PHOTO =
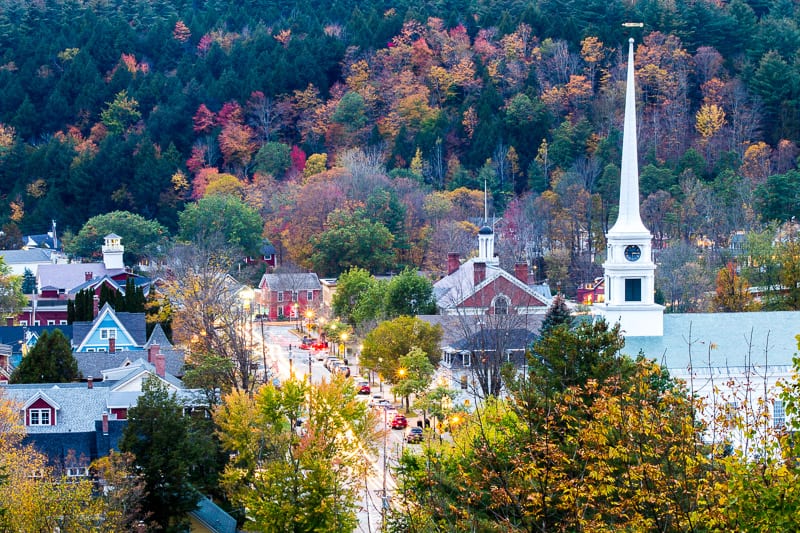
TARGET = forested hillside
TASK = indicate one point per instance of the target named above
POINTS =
(144, 106)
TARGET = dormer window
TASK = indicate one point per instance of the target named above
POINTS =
(39, 417)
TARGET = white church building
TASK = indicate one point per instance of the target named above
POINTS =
(736, 361)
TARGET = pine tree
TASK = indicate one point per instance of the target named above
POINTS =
(49, 361)
(162, 440)
(557, 314)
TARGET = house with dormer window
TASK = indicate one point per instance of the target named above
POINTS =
(110, 332)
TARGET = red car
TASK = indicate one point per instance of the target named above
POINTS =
(363, 387)
(399, 422)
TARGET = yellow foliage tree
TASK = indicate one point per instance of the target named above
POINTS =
(709, 120)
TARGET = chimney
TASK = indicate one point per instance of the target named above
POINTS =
(105, 423)
(521, 272)
(88, 276)
(479, 271)
(452, 262)
(161, 365)
(112, 345)
(95, 305)
(90, 382)
(151, 353)
(9, 321)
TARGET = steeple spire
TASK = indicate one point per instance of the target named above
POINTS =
(628, 219)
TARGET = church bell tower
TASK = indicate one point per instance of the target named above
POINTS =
(629, 268)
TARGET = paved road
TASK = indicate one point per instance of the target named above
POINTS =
(274, 346)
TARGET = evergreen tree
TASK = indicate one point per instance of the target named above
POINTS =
(28, 282)
(162, 440)
(107, 296)
(83, 306)
(49, 361)
(557, 314)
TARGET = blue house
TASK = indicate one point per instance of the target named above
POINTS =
(110, 332)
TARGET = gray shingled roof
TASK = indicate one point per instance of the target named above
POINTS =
(34, 255)
(80, 406)
(157, 336)
(134, 322)
(213, 517)
(292, 282)
(73, 274)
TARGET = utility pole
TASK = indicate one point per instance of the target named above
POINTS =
(384, 497)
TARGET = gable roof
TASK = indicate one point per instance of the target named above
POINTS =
(16, 336)
(294, 281)
(78, 406)
(452, 290)
(132, 324)
(157, 336)
(72, 274)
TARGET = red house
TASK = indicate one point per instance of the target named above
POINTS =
(480, 286)
(288, 295)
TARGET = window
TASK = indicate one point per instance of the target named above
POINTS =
(78, 471)
(633, 290)
(309, 296)
(23, 322)
(280, 296)
(501, 305)
(778, 414)
(108, 333)
(39, 417)
(294, 296)
(89, 349)
(37, 323)
(51, 322)
(63, 322)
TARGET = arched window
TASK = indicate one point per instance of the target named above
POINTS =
(501, 305)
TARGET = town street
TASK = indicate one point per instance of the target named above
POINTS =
(273, 348)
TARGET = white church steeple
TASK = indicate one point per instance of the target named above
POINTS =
(629, 268)
(113, 252)
(486, 234)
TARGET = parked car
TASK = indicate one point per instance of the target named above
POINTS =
(399, 422)
(414, 435)
(363, 387)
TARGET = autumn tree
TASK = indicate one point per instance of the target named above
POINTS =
(293, 475)
(392, 339)
(12, 299)
(414, 374)
(732, 294)
(46, 501)
(209, 316)
(121, 113)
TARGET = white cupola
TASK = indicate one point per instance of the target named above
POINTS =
(113, 252)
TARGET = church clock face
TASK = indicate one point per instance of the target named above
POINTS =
(633, 252)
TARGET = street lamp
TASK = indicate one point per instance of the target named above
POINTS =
(309, 318)
(380, 378)
(247, 295)
(344, 346)
(295, 307)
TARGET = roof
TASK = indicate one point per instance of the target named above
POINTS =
(44, 240)
(213, 517)
(296, 281)
(459, 331)
(134, 324)
(34, 255)
(454, 288)
(157, 336)
(73, 274)
(721, 340)
(79, 405)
